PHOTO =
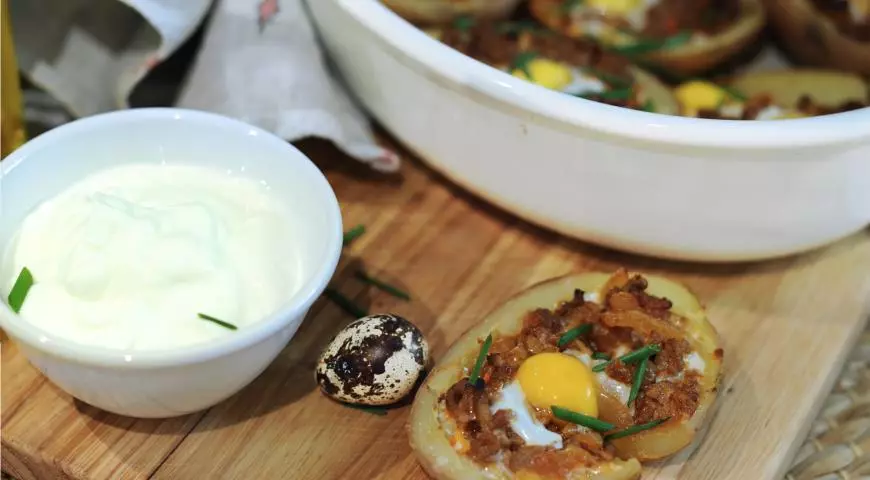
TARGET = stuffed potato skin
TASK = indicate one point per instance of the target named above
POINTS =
(692, 58)
(826, 87)
(440, 11)
(813, 39)
(427, 434)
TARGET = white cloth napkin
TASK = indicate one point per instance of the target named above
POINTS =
(260, 62)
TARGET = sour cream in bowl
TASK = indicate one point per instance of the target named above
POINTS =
(154, 261)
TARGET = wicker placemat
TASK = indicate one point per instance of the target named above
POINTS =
(838, 446)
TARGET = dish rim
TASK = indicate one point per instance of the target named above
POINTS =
(467, 75)
(292, 308)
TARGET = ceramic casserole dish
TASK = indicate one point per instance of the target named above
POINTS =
(668, 186)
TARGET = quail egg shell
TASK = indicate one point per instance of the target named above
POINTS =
(376, 360)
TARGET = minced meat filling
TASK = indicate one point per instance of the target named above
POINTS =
(667, 390)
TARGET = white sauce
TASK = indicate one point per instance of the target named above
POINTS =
(523, 422)
(127, 258)
(771, 112)
(591, 297)
(733, 110)
(636, 17)
(582, 84)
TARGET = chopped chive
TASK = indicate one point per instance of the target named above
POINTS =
(345, 303)
(637, 381)
(481, 357)
(636, 429)
(19, 289)
(394, 291)
(580, 419)
(600, 356)
(632, 357)
(642, 46)
(569, 5)
(353, 233)
(222, 323)
(570, 335)
(733, 92)
(464, 23)
(649, 106)
(518, 27)
(366, 408)
(615, 94)
(521, 63)
(615, 81)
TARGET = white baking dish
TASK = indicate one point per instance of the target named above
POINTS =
(666, 186)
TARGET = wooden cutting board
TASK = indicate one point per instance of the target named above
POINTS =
(787, 326)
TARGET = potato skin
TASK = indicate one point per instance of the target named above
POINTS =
(427, 436)
(690, 59)
(812, 38)
(440, 11)
(826, 87)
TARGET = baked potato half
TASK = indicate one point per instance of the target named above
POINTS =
(448, 433)
(774, 95)
(575, 67)
(682, 38)
(440, 11)
(824, 33)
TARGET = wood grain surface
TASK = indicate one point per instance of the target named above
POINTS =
(786, 324)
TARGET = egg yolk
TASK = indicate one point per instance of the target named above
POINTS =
(615, 6)
(549, 379)
(698, 95)
(546, 73)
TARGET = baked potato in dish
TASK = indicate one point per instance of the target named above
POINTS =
(774, 95)
(583, 376)
(575, 67)
(439, 11)
(824, 33)
(680, 37)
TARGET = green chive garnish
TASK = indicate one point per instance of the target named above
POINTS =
(600, 356)
(614, 81)
(637, 380)
(521, 63)
(734, 93)
(580, 419)
(345, 303)
(366, 408)
(615, 94)
(481, 357)
(353, 233)
(19, 290)
(635, 429)
(394, 291)
(649, 106)
(632, 357)
(464, 23)
(642, 46)
(569, 5)
(518, 26)
(217, 321)
(575, 332)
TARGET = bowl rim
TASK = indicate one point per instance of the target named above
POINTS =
(294, 307)
(469, 76)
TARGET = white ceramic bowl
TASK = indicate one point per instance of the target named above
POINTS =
(661, 185)
(178, 381)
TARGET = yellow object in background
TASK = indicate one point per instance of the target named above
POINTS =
(11, 102)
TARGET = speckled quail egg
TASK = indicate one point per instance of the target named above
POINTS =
(376, 360)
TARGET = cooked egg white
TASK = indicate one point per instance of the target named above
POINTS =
(614, 387)
(523, 423)
(560, 77)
